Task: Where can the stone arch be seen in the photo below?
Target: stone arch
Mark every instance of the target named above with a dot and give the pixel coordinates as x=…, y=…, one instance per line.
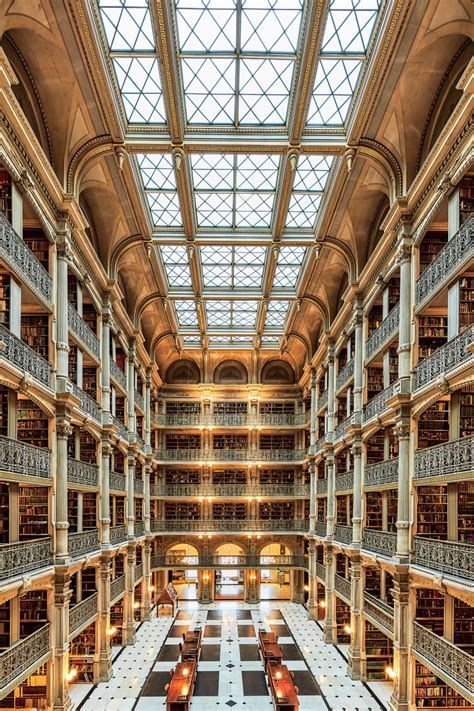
x=183, y=372
x=304, y=341
x=346, y=253
x=231, y=372
x=378, y=153
x=240, y=548
x=119, y=251
x=266, y=544
x=322, y=308
x=277, y=372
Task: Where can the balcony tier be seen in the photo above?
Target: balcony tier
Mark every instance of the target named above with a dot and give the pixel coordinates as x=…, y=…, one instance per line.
x=227, y=526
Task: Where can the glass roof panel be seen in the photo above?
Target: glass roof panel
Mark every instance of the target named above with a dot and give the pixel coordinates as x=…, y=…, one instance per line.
x=186, y=312
x=264, y=90
x=191, y=341
x=276, y=314
x=256, y=172
x=270, y=26
x=157, y=171
x=334, y=87
x=349, y=25
x=213, y=171
x=303, y=209
x=206, y=26
x=214, y=209
x=209, y=89
x=253, y=209
x=164, y=208
x=231, y=314
x=127, y=24
x=175, y=259
x=140, y=87
x=288, y=268
x=232, y=267
x=312, y=173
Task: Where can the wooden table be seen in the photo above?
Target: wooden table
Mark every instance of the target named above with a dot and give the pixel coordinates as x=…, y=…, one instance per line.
x=266, y=637
x=271, y=653
x=282, y=687
x=190, y=650
x=193, y=636
x=181, y=687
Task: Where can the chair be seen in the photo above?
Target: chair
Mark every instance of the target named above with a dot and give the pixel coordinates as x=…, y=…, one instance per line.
x=167, y=686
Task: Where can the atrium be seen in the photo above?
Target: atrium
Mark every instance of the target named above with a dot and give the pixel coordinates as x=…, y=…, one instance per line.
x=236, y=355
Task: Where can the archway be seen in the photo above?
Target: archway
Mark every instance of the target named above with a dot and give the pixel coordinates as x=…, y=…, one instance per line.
x=229, y=580
x=274, y=581
x=183, y=576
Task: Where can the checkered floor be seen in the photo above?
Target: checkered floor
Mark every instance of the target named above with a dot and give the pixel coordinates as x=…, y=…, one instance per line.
x=230, y=672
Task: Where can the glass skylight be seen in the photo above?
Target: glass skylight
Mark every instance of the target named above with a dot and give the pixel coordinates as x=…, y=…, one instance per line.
x=310, y=180
x=232, y=267
x=231, y=340
x=234, y=191
x=159, y=182
x=251, y=83
x=127, y=25
x=186, y=312
x=175, y=259
x=191, y=341
x=349, y=25
x=276, y=314
x=288, y=268
x=231, y=314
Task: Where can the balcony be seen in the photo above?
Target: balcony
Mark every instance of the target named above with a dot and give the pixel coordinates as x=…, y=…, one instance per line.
x=117, y=588
x=118, y=376
x=230, y=561
x=344, y=482
x=322, y=400
x=340, y=430
x=139, y=401
x=138, y=486
x=321, y=486
x=139, y=529
x=321, y=572
x=454, y=355
x=24, y=358
x=346, y=374
x=122, y=430
x=21, y=260
x=455, y=457
x=87, y=404
x=381, y=473
x=230, y=455
x=320, y=529
x=82, y=473
x=286, y=420
x=83, y=542
x=343, y=534
x=118, y=534
x=23, y=657
x=448, y=556
x=343, y=587
x=284, y=491
x=378, y=404
x=20, y=458
x=82, y=613
x=82, y=333
x=383, y=542
x=117, y=482
x=444, y=659
x=138, y=573
x=379, y=613
x=456, y=254
x=24, y=557
x=228, y=525
x=385, y=333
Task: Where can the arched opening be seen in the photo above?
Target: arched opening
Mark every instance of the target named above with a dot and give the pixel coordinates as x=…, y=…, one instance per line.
x=230, y=372
x=275, y=580
x=277, y=372
x=229, y=580
x=183, y=575
x=183, y=372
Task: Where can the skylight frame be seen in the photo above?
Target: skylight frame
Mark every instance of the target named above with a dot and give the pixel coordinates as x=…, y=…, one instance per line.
x=158, y=183
x=230, y=267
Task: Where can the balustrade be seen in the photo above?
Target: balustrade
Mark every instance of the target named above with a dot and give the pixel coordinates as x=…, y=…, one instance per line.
x=345, y=375
x=139, y=401
x=20, y=458
x=340, y=429
x=453, y=354
x=321, y=572
x=343, y=534
x=249, y=526
x=344, y=482
x=230, y=561
x=230, y=455
x=117, y=588
x=323, y=400
x=449, y=556
x=82, y=473
x=138, y=486
x=118, y=534
x=321, y=486
x=384, y=542
x=117, y=482
x=379, y=611
x=24, y=358
x=82, y=613
x=139, y=529
x=378, y=403
x=442, y=656
x=23, y=657
x=24, y=556
x=320, y=528
x=455, y=457
x=138, y=573
x=88, y=405
x=381, y=473
x=383, y=334
x=342, y=586
x=83, y=542
x=83, y=333
x=231, y=420
x=121, y=428
x=118, y=376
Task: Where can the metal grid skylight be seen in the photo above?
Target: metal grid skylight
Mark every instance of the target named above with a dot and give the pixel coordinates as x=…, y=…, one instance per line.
x=233, y=267
x=175, y=259
x=276, y=314
x=310, y=181
x=237, y=59
x=159, y=183
x=233, y=191
x=231, y=314
x=288, y=268
x=186, y=312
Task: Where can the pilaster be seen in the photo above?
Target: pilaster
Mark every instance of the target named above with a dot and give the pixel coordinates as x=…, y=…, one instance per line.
x=60, y=640
x=103, y=626
x=128, y=632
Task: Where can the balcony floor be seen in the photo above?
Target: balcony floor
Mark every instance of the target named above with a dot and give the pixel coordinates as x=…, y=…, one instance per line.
x=320, y=670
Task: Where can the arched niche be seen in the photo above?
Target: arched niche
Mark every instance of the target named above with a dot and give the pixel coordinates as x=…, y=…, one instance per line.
x=277, y=372
x=183, y=372
x=230, y=372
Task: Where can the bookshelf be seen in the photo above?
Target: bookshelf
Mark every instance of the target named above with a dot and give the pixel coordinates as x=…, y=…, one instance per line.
x=466, y=302
x=372, y=581
x=431, y=245
x=379, y=653
x=119, y=510
x=6, y=194
x=373, y=515
x=4, y=513
x=277, y=441
x=433, y=425
x=464, y=626
x=89, y=510
x=466, y=423
x=432, y=692
x=392, y=505
x=432, y=334
x=374, y=381
x=116, y=620
x=88, y=447
x=320, y=426
x=432, y=512
x=120, y=358
x=277, y=476
x=321, y=471
x=33, y=612
x=341, y=510
x=31, y=694
x=5, y=296
x=375, y=319
x=182, y=476
x=182, y=510
x=466, y=197
x=277, y=408
x=72, y=289
x=321, y=509
x=343, y=618
x=89, y=315
x=119, y=462
x=229, y=408
x=229, y=441
x=89, y=586
x=392, y=364
x=430, y=610
x=32, y=424
x=89, y=380
x=39, y=245
x=139, y=424
x=81, y=655
x=72, y=506
x=342, y=568
x=388, y=588
x=138, y=509
x=72, y=363
x=5, y=625
x=119, y=566
x=183, y=408
x=120, y=409
x=393, y=291
x=229, y=510
x=466, y=512
x=277, y=510
x=183, y=441
x=306, y=509
x=33, y=512
x=229, y=476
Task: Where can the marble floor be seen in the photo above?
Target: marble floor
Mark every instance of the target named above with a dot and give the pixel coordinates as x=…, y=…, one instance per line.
x=230, y=672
